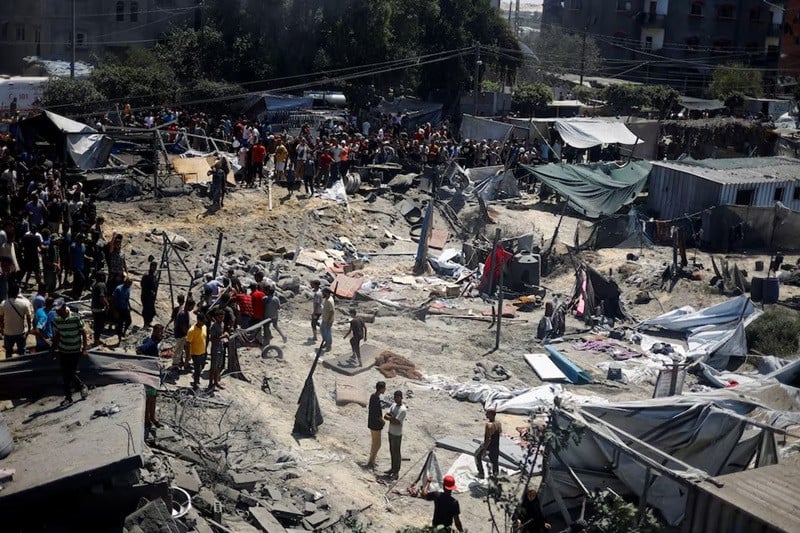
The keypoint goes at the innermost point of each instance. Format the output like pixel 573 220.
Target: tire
pixel 271 352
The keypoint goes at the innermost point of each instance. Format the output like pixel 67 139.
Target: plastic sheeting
pixel 86 147
pixel 585 133
pixel 708 434
pixel 594 190
pixel 478 128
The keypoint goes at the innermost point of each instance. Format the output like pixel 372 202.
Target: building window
pixel 745 196
pixel 134 11
pixel 575 5
pixel 648 43
pixel 120 11
pixel 778 194
pixel 624 5
pixel 726 11
pixel 80 39
pixel 696 9
pixel 20 33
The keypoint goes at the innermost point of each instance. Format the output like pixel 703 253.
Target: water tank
pixel 772 289
pixel 757 289
pixel 525 270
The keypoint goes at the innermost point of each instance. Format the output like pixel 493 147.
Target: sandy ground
pixel 332 463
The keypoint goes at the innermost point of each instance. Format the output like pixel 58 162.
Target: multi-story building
pixel 790 43
pixel 44 27
pixel 674 42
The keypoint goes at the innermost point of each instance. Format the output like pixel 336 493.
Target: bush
pixel 67 96
pixel 776 332
pixel 528 98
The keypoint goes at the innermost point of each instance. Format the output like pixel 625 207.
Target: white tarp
pixel 87 151
pixel 585 133
pixel 478 128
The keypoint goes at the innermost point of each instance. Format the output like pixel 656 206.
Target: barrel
pixel 772 289
pixel 759 266
pixel 757 289
pixel 6 442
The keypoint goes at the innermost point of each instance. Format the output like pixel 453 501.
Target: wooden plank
pixel 544 367
pixel 346 287
pixel 266 522
pixel 438 238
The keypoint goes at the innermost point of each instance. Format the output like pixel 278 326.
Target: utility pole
pixel 74 43
pixel 476 83
pixel 583 52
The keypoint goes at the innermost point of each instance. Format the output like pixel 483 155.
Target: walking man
pixel 217 334
pixel 122 307
pixel 396 416
pixel 181 355
pixel 359 330
pixel 99 307
pixel 271 308
pixel 446 510
pixel 375 421
pixel 316 309
pixel 328 312
pixel 71 342
pixel 149 293
pixel 16 320
pixel 491 444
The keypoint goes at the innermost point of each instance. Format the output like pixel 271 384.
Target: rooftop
pixel 738 170
pixel 768 493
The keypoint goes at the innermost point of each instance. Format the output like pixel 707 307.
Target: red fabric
pixel 257 301
pixel 259 153
pixel 495 262
pixel 325 161
pixel 245 303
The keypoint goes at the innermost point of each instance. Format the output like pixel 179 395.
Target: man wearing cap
pixel 196 340
pixel 491 444
pixel 71 341
pixel 446 509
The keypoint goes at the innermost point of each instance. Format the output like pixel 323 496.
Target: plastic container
pixel 772 291
pixel 757 289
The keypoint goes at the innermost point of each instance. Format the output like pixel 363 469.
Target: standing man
pixel 396 416
pixel 375 421
pixel 259 154
pixel 150 348
pixel 446 510
pixel 71 341
pixel 216 334
pixel 257 301
pixel 491 444
pixel 196 339
pixel 359 330
pixel 99 306
pixel 316 309
pixel 149 292
pixel 16 318
pixel 43 326
pixel 328 312
pixel 122 306
pixel 181 355
pixel 281 155
pixel 271 308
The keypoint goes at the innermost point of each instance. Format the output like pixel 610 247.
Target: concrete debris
pixel 152 517
pixel 266 521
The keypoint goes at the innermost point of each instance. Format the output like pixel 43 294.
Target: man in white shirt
pixel 16 316
pixel 396 416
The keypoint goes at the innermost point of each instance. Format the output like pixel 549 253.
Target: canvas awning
pixel 594 190
pixel 701 104
pixel 585 133
pixel 86 147
pixel 484 129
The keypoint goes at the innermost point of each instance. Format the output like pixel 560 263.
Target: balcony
pixel 653 20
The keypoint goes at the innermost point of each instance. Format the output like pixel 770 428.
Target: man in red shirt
pixel 244 302
pixel 257 301
pixel 259 153
pixel 324 166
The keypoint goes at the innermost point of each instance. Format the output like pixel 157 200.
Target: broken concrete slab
pixel 266 521
pixel 53 455
pixel 186 476
pixel 205 501
pixel 310 508
pixel 248 500
pixel 246 480
pixel 271 492
pixel 153 516
pixel 196 522
pixel 287 509
pixel 227 493
pixel 316 519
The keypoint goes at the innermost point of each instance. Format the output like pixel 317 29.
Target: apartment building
pixel 44 27
pixel 675 42
pixel 790 42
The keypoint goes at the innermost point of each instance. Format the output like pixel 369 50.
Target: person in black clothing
pixel 375 421
pixel 529 517
pixel 149 290
pixel 446 509
pixel 490 445
pixel 99 306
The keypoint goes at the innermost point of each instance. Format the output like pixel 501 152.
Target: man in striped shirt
pixel 71 341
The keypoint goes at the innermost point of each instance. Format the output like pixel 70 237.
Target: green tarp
pixel 594 190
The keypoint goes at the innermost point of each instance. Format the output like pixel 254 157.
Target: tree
pixel 583 93
pixel 530 98
pixel 141 79
pixel 663 98
pixel 558 52
pixel 623 98
pixel 735 77
pixel 67 96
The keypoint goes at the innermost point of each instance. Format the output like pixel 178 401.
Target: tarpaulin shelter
pixel 713 334
pixel 593 292
pixel 479 128
pixel 268 106
pixel 83 144
pixel 597 189
pixel 419 112
pixel 700 104
pixel 653 450
pixel 586 132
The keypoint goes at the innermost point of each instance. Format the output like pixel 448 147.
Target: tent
pixel 594 293
pixel 597 189
pixel 653 450
pixel 268 106
pixel 586 132
pixel 86 147
pixel 484 129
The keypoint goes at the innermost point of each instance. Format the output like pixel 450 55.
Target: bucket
pixel 772 289
pixel 756 289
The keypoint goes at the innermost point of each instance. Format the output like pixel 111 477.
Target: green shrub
pixel 776 332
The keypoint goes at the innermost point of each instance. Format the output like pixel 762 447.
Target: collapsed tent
pixel 653 451
pixel 594 190
pixel 714 334
pixel 86 147
pixel 490 183
pixel 478 128
pixel 596 296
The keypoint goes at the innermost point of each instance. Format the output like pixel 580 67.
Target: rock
pixel 632 257
pixel 204 501
pixel 290 283
pixel 267 256
pixel 310 508
pixel 197 523
pixel 246 499
pixel 246 480
pixel 642 298
pixel 266 521
pixel 271 492
pixel 152 517
pixel 227 493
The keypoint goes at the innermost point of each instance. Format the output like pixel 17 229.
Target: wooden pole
pixel 216 257
pixel 497 234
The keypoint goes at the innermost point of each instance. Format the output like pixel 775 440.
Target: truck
pixel 26 89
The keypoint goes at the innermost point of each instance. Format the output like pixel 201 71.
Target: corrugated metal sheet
pixel 757 500
pixel 673 193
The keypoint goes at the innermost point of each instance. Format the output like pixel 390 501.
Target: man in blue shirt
pixel 150 348
pixel 77 253
pixel 121 298
pixel 43 325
